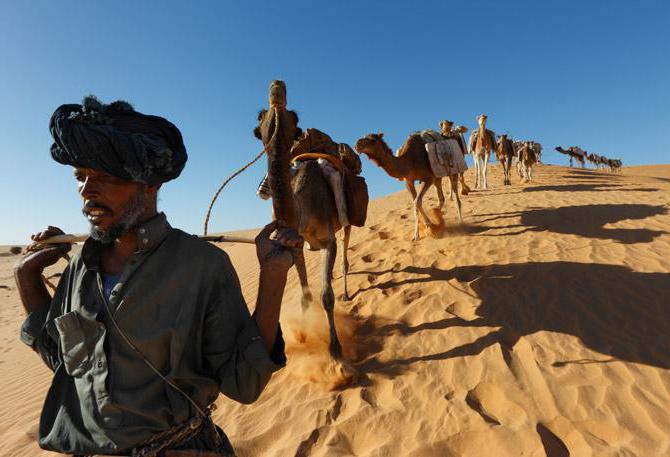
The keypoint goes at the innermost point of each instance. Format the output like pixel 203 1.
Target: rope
pixel 216 195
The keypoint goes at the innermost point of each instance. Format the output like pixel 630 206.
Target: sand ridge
pixel 539 327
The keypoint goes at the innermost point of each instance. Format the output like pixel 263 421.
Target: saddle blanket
pixel 446 158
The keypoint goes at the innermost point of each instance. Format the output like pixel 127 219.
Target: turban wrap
pixel 117 140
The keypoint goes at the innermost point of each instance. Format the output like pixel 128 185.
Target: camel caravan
pixel 598 161
pixel 316 187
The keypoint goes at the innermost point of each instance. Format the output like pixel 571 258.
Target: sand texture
pixel 540 327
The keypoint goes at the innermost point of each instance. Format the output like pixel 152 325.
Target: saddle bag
pixel 356 194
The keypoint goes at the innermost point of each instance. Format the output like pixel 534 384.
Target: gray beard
pixel 129 220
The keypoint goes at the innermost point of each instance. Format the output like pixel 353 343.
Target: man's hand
pixel 36 262
pixel 28 271
pixel 275 253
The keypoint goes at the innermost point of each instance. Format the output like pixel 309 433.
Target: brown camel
pixel 303 200
pixel 410 165
pixel 528 158
pixel 505 154
pixel 574 152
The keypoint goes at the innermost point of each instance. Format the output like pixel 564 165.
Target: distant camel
pixel 505 154
pixel 482 142
pixel 411 164
pixel 537 147
pixel 528 158
pixel 574 152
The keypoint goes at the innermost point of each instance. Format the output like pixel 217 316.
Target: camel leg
pixel 476 157
pixel 306 299
pixel 486 160
pixel 411 189
pixel 440 192
pixel 328 296
pixel 345 259
pixel 453 179
pixel 418 208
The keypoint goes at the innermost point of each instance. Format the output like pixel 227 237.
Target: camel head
pixel 288 130
pixel 373 146
pixel 481 120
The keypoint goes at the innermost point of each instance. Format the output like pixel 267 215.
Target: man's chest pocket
pixel 78 338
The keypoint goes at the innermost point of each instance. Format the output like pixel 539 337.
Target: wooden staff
pixel 71 239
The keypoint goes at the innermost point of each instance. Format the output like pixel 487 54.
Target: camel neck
pixel 279 179
pixel 396 167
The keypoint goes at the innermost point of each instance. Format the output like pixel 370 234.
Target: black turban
pixel 118 140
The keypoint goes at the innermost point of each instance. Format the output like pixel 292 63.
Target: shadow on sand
pixel 587 221
pixel 613 310
pixel 591 187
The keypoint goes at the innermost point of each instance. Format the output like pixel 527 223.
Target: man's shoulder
pixel 197 250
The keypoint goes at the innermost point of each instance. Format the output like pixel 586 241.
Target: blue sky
pixel 592 73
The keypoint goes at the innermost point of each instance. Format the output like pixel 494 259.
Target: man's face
pixel 111 205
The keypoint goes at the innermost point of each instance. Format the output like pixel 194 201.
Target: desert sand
pixel 539 327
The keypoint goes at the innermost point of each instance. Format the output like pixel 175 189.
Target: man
pixel 148 324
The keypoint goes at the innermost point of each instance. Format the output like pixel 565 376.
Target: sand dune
pixel 539 327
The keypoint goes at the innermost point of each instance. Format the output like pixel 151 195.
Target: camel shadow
pixel 584 173
pixel 611 309
pixel 588 188
pixel 587 221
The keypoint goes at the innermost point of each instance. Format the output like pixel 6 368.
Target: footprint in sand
pixel 367 258
pixel 411 296
pixel 553 445
pixel 494 406
pixel 383 235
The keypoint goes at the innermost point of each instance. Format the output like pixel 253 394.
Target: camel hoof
pixel 465 191
pixel 343 373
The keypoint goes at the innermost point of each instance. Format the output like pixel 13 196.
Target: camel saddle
pixel 313 144
pixel 315 141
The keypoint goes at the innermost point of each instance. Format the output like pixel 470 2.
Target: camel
pixel 411 164
pixel 481 145
pixel 447 131
pixel 303 200
pixel 574 152
pixel 537 147
pixel 528 158
pixel 505 154
pixel 601 162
